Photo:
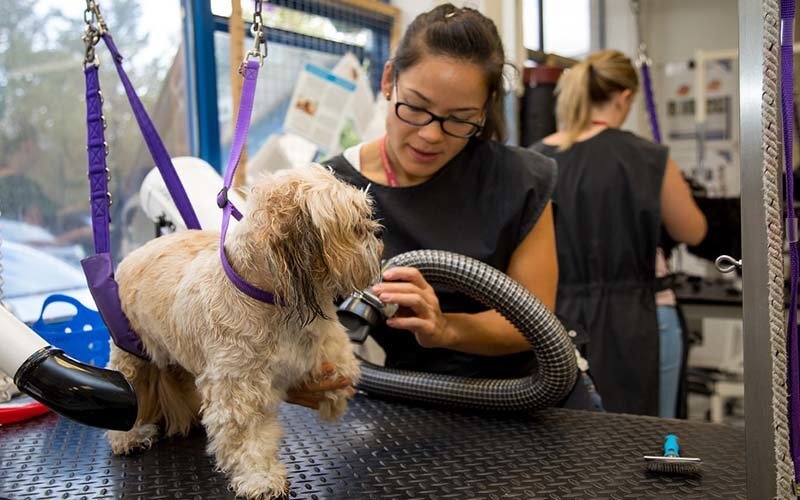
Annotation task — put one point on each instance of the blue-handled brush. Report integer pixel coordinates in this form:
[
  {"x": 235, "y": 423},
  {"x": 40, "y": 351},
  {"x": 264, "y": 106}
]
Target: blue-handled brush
[{"x": 672, "y": 462}]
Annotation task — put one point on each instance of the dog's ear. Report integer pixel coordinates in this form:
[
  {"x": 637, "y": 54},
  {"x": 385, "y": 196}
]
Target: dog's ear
[
  {"x": 341, "y": 215},
  {"x": 293, "y": 246}
]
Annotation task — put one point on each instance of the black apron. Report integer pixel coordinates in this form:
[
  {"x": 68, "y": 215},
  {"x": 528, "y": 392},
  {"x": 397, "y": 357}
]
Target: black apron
[
  {"x": 481, "y": 204},
  {"x": 608, "y": 219}
]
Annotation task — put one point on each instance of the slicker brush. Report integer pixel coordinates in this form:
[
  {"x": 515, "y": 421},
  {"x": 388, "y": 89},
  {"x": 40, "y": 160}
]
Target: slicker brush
[{"x": 672, "y": 462}]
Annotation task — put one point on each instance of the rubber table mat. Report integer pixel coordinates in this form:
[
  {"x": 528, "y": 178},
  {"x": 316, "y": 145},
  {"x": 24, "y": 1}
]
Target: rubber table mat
[{"x": 390, "y": 450}]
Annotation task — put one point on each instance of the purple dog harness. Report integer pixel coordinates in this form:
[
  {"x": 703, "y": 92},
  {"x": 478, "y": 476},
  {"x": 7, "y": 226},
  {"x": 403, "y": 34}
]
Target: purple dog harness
[{"x": 99, "y": 268}]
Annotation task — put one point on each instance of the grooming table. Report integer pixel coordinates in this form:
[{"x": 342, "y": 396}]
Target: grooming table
[{"x": 390, "y": 450}]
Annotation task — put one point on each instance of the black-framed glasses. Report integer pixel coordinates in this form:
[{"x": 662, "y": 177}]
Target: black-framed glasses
[{"x": 419, "y": 117}]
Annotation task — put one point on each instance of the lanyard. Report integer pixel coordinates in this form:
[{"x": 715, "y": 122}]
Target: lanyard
[{"x": 391, "y": 179}]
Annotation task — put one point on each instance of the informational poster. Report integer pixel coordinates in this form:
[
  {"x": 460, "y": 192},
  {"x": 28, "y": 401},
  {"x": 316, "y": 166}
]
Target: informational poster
[
  {"x": 716, "y": 143},
  {"x": 279, "y": 152},
  {"x": 361, "y": 106},
  {"x": 319, "y": 105}
]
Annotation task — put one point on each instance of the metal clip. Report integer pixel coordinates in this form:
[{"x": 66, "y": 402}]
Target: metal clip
[
  {"x": 249, "y": 53},
  {"x": 91, "y": 14},
  {"x": 222, "y": 197},
  {"x": 91, "y": 37},
  {"x": 259, "y": 38},
  {"x": 727, "y": 264},
  {"x": 92, "y": 32},
  {"x": 642, "y": 59}
]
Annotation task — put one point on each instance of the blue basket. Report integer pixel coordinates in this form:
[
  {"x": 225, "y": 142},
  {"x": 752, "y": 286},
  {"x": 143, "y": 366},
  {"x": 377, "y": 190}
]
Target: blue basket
[{"x": 84, "y": 336}]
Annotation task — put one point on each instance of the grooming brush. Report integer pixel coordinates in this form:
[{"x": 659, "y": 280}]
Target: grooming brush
[{"x": 672, "y": 462}]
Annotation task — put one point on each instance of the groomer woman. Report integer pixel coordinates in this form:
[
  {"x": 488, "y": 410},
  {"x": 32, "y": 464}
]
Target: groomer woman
[
  {"x": 441, "y": 181},
  {"x": 613, "y": 193}
]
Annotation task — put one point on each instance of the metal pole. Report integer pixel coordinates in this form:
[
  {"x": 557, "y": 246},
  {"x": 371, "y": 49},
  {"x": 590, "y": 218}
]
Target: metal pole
[
  {"x": 759, "y": 429},
  {"x": 541, "y": 25}
]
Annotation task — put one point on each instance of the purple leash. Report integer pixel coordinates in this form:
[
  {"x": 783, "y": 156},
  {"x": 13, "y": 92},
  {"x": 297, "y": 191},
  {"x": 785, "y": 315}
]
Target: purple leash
[
  {"x": 787, "y": 114},
  {"x": 249, "y": 72},
  {"x": 649, "y": 100}
]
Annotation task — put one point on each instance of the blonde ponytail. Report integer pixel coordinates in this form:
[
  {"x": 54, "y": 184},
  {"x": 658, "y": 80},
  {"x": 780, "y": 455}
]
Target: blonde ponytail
[
  {"x": 591, "y": 82},
  {"x": 574, "y": 105}
]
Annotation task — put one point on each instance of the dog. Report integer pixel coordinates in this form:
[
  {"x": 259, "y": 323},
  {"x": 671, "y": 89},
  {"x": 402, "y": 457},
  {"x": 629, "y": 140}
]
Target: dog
[{"x": 226, "y": 360}]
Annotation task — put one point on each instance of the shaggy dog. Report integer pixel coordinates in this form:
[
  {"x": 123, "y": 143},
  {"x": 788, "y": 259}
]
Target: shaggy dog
[{"x": 227, "y": 360}]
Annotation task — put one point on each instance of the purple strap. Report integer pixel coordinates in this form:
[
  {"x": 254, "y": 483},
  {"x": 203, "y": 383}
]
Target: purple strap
[
  {"x": 154, "y": 144},
  {"x": 98, "y": 172},
  {"x": 99, "y": 268},
  {"x": 99, "y": 271},
  {"x": 651, "y": 104},
  {"x": 250, "y": 74},
  {"x": 787, "y": 108}
]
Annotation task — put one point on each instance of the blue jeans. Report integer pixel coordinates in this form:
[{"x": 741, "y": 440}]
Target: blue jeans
[{"x": 671, "y": 353}]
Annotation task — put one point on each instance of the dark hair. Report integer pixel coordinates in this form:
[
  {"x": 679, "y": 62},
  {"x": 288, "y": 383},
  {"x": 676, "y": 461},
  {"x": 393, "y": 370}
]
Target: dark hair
[{"x": 464, "y": 34}]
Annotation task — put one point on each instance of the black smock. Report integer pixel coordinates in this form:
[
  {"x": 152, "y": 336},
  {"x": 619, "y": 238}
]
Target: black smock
[
  {"x": 481, "y": 204},
  {"x": 608, "y": 218}
]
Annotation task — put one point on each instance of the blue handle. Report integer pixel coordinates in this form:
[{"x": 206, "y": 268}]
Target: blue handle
[
  {"x": 671, "y": 447},
  {"x": 83, "y": 316}
]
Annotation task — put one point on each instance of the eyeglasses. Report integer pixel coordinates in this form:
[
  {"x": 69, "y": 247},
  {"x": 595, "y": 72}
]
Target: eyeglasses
[{"x": 419, "y": 117}]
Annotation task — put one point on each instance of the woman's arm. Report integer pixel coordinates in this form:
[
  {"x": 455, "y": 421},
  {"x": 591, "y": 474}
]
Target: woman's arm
[
  {"x": 682, "y": 218},
  {"x": 534, "y": 264}
]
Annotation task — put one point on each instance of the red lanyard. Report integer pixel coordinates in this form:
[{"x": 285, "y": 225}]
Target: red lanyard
[{"x": 391, "y": 180}]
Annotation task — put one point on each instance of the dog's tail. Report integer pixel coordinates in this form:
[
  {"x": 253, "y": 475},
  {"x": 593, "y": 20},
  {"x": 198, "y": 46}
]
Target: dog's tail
[{"x": 165, "y": 395}]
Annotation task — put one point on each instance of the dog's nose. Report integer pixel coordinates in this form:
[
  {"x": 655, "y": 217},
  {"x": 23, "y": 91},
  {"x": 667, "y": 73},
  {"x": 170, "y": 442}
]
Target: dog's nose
[{"x": 378, "y": 232}]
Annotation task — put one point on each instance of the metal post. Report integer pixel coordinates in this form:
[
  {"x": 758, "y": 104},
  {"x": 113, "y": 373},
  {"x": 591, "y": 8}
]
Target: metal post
[
  {"x": 541, "y": 25},
  {"x": 759, "y": 429},
  {"x": 203, "y": 77}
]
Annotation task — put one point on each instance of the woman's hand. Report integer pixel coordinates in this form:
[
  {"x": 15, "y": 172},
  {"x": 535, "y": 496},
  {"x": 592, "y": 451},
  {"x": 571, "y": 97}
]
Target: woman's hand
[
  {"x": 311, "y": 394},
  {"x": 419, "y": 310}
]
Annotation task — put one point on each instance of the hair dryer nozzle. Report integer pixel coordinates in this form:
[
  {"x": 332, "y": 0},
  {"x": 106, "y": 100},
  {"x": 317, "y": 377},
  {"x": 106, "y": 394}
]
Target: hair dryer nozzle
[{"x": 84, "y": 393}]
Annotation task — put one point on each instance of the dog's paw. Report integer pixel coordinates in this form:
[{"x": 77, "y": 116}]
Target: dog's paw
[
  {"x": 260, "y": 486},
  {"x": 334, "y": 405},
  {"x": 141, "y": 437},
  {"x": 350, "y": 369}
]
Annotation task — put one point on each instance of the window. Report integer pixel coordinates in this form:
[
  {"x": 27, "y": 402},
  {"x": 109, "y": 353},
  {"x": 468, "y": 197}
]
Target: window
[
  {"x": 297, "y": 21},
  {"x": 298, "y": 32},
  {"x": 557, "y": 27},
  {"x": 43, "y": 179}
]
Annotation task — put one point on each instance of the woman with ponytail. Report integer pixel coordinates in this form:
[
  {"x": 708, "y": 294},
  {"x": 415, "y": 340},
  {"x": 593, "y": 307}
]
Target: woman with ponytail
[{"x": 614, "y": 191}]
